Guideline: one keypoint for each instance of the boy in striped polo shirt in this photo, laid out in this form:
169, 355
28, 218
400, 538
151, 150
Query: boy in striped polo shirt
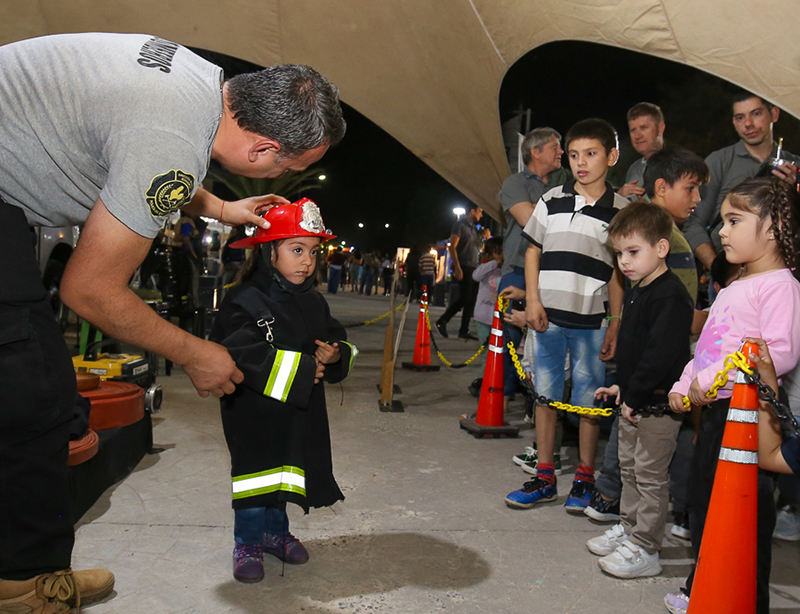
570, 277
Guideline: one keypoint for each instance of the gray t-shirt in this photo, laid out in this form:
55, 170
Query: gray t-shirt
469, 243
728, 167
128, 118
636, 172
519, 188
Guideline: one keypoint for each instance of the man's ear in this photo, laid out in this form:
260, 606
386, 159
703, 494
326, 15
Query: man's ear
661, 127
613, 156
775, 114
262, 147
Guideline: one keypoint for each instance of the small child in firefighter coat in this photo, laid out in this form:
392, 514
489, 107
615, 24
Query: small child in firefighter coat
279, 331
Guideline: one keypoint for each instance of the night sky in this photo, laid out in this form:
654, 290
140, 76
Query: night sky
375, 180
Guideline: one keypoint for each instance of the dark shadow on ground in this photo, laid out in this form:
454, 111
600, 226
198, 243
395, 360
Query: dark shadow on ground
354, 571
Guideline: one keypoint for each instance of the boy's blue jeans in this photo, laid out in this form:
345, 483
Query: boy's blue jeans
250, 524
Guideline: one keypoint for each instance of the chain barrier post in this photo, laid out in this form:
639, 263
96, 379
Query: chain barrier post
422, 344
489, 418
725, 581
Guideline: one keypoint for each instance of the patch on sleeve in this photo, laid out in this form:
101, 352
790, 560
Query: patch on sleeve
169, 192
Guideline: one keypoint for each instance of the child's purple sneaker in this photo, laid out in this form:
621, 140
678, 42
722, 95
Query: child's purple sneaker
287, 548
248, 563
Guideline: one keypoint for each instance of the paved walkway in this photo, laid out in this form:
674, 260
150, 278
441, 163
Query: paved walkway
423, 528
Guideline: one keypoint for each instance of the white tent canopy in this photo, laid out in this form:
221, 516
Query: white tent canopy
429, 71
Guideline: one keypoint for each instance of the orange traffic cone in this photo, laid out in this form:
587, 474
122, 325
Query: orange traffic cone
489, 419
726, 581
422, 345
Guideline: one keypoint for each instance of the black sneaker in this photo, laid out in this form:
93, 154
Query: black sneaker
681, 527
467, 336
601, 509
475, 387
442, 328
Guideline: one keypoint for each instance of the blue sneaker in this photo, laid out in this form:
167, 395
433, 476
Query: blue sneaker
579, 497
531, 493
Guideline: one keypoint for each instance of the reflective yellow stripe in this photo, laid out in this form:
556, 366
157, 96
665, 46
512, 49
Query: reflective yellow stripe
286, 478
282, 375
353, 354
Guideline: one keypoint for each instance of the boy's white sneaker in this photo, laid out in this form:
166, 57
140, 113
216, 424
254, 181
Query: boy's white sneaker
630, 561
609, 541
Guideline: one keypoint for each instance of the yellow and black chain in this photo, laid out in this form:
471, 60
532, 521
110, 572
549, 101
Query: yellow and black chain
444, 360
373, 320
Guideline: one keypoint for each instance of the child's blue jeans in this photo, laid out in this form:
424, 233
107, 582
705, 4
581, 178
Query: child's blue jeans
250, 524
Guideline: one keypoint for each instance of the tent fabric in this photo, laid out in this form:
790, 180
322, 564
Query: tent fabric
429, 73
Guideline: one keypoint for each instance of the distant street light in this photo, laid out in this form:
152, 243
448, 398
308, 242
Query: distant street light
360, 225
386, 226
323, 177
459, 211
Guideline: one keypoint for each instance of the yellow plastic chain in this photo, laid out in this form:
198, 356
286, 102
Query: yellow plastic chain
446, 362
732, 361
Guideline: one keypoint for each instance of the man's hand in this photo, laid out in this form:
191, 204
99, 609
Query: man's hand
627, 413
212, 370
536, 317
786, 171
327, 354
513, 293
458, 274
631, 189
250, 210
609, 349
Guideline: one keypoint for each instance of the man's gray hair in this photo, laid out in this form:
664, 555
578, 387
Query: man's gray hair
538, 138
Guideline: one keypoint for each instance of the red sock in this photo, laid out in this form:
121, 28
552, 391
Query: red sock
585, 474
546, 471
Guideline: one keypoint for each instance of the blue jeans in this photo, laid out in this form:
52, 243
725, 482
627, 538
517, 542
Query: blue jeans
515, 277
250, 524
334, 278
588, 371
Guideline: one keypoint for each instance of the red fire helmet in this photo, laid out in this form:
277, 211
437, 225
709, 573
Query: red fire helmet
299, 219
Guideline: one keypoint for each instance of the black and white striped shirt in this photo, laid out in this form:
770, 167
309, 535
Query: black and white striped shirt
577, 258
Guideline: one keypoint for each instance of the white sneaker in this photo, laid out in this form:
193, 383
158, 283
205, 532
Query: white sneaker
608, 542
787, 528
630, 561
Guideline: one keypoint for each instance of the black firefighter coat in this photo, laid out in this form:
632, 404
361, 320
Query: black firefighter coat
276, 422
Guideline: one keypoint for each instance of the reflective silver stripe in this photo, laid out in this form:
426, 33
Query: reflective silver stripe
497, 331
496, 313
748, 416
497, 349
281, 376
740, 377
743, 457
291, 479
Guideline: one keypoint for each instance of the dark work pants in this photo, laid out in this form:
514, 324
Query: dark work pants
467, 294
37, 393
701, 482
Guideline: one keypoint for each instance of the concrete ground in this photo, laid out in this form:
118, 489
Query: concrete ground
423, 529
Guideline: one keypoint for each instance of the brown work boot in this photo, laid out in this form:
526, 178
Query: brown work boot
45, 594
55, 593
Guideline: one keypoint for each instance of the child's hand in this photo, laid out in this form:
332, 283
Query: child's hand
676, 403
513, 293
697, 395
516, 318
627, 412
763, 362
611, 391
327, 354
320, 372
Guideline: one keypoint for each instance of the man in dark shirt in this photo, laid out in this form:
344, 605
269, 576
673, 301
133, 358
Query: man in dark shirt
465, 245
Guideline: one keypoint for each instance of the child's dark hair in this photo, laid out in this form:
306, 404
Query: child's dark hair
671, 164
493, 246
722, 270
774, 199
593, 128
650, 221
259, 252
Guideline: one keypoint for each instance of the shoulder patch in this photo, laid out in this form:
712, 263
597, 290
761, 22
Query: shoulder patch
168, 192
